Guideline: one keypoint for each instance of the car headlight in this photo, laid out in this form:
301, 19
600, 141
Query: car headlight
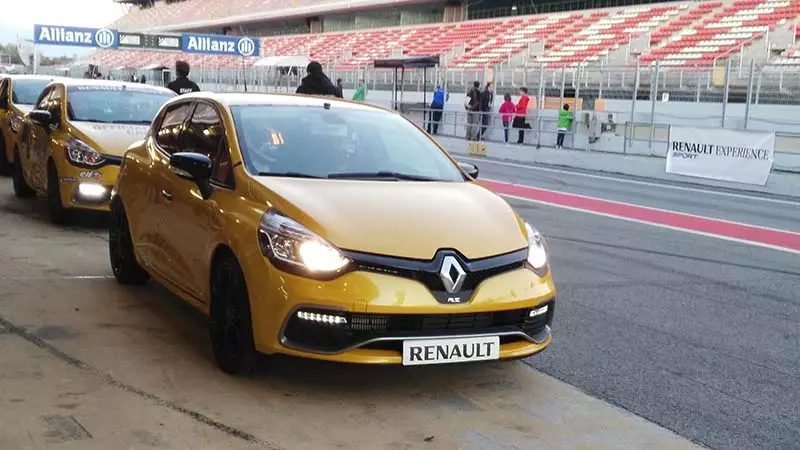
294, 248
537, 250
15, 123
81, 154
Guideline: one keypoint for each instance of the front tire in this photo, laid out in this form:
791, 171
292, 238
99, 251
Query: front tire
231, 326
21, 187
120, 248
58, 214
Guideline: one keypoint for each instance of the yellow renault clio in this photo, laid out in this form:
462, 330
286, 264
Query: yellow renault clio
71, 144
326, 229
18, 93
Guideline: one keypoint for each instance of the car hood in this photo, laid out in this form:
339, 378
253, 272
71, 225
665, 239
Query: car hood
110, 138
404, 219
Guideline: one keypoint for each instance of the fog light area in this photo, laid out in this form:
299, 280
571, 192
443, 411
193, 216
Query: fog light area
91, 191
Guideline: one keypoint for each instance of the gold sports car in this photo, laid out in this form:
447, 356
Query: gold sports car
326, 229
71, 144
18, 93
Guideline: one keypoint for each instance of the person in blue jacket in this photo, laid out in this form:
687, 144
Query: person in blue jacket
437, 105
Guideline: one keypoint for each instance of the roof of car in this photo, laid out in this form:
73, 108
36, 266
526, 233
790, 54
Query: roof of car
241, 99
21, 76
85, 82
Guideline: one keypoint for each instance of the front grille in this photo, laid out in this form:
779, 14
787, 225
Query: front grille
363, 327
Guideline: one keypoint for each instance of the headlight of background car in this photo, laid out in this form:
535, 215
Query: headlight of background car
81, 154
537, 250
294, 248
15, 123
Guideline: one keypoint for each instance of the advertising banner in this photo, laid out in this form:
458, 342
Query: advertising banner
219, 45
75, 36
720, 154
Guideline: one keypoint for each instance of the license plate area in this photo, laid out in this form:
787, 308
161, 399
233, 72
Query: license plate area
450, 350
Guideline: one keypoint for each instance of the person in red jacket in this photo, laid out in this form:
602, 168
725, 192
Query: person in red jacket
522, 111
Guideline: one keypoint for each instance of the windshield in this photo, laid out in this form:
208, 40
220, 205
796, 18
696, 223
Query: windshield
339, 142
26, 92
114, 104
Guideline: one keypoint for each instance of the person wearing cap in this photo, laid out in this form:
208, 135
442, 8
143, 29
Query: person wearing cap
182, 84
317, 83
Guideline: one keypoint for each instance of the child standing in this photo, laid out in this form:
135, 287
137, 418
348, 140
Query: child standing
507, 110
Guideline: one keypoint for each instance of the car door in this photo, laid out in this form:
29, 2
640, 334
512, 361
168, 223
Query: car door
34, 156
5, 117
190, 221
150, 201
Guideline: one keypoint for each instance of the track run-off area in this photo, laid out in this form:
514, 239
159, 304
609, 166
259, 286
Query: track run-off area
677, 326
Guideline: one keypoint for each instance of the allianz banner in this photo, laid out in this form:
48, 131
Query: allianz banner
720, 154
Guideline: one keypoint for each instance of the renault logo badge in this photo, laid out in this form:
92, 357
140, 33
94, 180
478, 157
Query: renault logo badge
452, 274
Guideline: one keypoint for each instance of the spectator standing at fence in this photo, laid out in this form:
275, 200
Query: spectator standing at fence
472, 103
437, 106
143, 79
316, 82
487, 103
521, 113
507, 110
564, 125
182, 84
361, 92
340, 88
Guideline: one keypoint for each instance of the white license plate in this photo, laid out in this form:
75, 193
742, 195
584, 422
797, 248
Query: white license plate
443, 351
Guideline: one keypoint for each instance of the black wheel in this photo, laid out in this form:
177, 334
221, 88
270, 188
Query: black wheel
21, 187
6, 167
120, 248
231, 327
58, 214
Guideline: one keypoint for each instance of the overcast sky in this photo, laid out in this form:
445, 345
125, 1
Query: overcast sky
20, 18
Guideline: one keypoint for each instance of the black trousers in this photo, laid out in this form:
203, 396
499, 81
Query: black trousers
560, 138
519, 123
434, 117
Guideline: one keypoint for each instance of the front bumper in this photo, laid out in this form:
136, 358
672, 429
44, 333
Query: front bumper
87, 188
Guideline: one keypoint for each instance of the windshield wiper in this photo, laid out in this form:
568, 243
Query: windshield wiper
383, 174
131, 122
287, 174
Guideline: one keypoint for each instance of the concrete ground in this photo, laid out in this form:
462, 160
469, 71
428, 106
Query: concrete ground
89, 364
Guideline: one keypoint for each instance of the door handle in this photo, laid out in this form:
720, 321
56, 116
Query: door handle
167, 196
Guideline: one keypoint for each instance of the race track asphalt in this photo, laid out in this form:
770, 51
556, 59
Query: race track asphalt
697, 334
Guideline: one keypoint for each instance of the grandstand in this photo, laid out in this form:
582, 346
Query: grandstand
679, 33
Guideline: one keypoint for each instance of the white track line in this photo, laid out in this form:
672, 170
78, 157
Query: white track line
659, 225
637, 182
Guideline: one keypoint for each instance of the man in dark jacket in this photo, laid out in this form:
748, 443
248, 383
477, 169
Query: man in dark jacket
182, 84
317, 83
487, 102
473, 106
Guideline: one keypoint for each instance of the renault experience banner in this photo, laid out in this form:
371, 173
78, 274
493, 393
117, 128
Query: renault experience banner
720, 154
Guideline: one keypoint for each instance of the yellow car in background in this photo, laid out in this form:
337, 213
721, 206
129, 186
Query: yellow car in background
327, 229
71, 144
18, 93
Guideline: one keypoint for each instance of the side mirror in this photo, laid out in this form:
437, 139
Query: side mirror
41, 117
471, 169
195, 167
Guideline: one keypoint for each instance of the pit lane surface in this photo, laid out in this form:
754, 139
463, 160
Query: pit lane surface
697, 334
89, 364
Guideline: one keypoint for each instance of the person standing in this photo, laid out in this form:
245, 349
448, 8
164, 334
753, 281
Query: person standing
564, 125
521, 112
437, 106
340, 88
487, 103
472, 103
182, 84
507, 110
316, 82
361, 92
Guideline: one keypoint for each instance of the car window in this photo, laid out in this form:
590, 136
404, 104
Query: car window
321, 142
172, 126
3, 94
115, 104
25, 92
205, 134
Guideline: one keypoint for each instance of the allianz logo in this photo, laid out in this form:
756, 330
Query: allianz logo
103, 37
244, 46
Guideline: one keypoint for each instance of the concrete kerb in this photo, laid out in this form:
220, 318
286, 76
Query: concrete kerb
780, 184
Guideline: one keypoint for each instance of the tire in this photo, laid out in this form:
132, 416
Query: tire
58, 214
230, 324
120, 249
21, 187
6, 166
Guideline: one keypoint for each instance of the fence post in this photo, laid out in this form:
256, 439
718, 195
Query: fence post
726, 91
576, 111
653, 95
539, 105
749, 92
632, 121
